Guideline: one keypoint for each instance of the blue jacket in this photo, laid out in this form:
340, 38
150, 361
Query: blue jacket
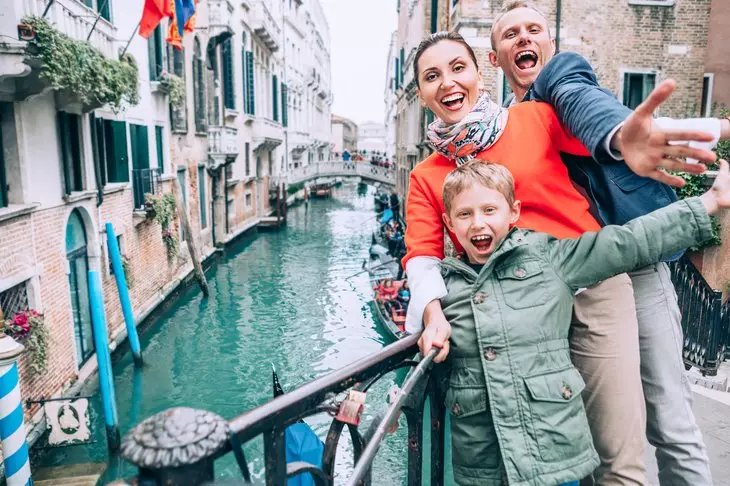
590, 112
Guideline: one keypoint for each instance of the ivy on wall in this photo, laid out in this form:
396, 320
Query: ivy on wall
79, 68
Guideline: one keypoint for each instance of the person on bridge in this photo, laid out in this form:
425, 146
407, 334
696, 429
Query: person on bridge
513, 393
528, 138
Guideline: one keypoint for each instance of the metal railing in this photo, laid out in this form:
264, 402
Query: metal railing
705, 319
271, 420
144, 181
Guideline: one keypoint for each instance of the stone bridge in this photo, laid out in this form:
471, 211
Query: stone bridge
363, 169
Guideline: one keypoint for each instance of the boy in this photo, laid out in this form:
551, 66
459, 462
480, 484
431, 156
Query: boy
513, 393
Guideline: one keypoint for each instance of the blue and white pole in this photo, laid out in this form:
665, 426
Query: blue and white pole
12, 428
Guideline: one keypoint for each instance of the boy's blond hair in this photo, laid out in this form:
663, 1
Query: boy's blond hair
510, 5
487, 174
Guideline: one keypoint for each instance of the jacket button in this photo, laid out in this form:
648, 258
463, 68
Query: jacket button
478, 298
566, 392
520, 273
456, 409
490, 354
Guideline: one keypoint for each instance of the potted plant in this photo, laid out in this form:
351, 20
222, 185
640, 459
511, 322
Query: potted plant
27, 327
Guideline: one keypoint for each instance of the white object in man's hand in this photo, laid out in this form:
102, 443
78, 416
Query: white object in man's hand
647, 148
718, 197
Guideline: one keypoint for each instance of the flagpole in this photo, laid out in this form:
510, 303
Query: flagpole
130, 39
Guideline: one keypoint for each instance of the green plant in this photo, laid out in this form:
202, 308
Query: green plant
294, 188
174, 86
696, 185
80, 69
723, 147
164, 208
127, 267
28, 328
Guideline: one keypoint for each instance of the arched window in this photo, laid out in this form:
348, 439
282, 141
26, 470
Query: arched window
201, 119
78, 264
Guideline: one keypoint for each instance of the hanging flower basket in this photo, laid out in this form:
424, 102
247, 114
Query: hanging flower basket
28, 328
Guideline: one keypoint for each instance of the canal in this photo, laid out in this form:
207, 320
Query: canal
286, 298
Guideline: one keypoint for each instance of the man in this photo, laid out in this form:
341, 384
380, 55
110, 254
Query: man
522, 47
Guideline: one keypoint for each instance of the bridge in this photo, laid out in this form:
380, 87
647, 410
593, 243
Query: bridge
339, 168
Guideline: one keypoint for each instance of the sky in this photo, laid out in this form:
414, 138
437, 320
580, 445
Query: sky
360, 33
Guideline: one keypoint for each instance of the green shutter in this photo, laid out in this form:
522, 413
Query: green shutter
160, 151
397, 73
250, 83
202, 198
229, 98
154, 46
275, 97
284, 105
244, 78
120, 157
63, 138
402, 64
140, 147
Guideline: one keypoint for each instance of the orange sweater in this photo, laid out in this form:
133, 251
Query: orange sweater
530, 148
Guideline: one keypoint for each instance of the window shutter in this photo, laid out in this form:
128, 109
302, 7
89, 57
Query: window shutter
63, 137
160, 151
229, 99
200, 108
284, 105
402, 64
244, 78
119, 149
397, 73
275, 96
140, 147
250, 83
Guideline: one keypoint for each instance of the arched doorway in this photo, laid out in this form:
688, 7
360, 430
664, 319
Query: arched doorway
78, 263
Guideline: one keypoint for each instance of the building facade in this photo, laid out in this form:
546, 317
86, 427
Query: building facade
344, 135
70, 165
371, 137
390, 99
632, 45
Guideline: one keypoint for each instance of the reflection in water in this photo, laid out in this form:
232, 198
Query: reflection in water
281, 297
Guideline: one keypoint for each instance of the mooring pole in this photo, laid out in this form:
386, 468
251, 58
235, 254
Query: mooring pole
116, 259
106, 379
12, 428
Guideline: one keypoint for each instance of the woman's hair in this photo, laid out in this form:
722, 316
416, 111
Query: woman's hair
434, 39
487, 174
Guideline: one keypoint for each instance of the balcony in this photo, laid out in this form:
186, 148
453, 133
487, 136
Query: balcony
73, 18
222, 144
299, 141
265, 26
268, 134
220, 14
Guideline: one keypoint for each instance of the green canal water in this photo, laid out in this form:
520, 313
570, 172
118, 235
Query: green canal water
277, 297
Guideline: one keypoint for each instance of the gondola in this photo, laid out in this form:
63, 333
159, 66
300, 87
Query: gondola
322, 190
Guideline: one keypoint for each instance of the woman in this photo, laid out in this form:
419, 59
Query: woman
528, 140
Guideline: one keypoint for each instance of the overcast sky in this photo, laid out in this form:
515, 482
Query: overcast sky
360, 35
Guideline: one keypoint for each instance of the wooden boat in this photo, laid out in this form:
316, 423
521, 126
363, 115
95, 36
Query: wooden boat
383, 266
322, 190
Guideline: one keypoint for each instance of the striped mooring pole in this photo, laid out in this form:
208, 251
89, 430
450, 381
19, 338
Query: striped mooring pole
12, 428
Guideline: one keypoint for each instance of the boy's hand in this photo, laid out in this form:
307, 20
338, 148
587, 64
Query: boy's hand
436, 332
718, 197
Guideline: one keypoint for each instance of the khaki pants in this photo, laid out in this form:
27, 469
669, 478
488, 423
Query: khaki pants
605, 349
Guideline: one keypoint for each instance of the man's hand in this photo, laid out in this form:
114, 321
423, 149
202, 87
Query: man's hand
718, 197
436, 332
645, 147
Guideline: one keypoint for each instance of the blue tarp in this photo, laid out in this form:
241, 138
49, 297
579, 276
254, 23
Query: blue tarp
302, 444
387, 216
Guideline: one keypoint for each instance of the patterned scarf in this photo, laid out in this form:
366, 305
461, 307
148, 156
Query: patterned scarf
479, 130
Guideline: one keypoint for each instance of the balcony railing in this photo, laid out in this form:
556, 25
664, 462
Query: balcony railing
222, 140
220, 13
219, 438
73, 18
340, 168
144, 181
705, 319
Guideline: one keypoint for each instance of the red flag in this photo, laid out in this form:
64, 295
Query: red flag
154, 11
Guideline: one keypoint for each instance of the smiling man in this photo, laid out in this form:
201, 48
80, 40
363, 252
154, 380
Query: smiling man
524, 49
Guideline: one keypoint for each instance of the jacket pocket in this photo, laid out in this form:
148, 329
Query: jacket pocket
522, 284
558, 418
473, 438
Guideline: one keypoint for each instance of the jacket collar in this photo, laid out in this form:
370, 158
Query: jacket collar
514, 239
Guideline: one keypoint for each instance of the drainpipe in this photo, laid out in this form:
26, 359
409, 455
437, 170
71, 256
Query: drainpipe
557, 26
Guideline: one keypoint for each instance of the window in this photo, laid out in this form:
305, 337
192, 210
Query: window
706, 108
69, 130
141, 174
178, 113
248, 200
110, 138
248, 159
201, 119
637, 87
202, 198
397, 71
101, 6
229, 97
250, 93
14, 299
244, 75
275, 97
78, 265
154, 45
159, 144
3, 177
402, 66
284, 107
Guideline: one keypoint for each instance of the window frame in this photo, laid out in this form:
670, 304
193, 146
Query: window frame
70, 135
623, 73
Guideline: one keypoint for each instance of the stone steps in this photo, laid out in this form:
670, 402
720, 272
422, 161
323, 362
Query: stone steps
73, 475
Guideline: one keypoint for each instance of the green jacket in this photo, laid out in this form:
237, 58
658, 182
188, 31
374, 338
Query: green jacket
513, 393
